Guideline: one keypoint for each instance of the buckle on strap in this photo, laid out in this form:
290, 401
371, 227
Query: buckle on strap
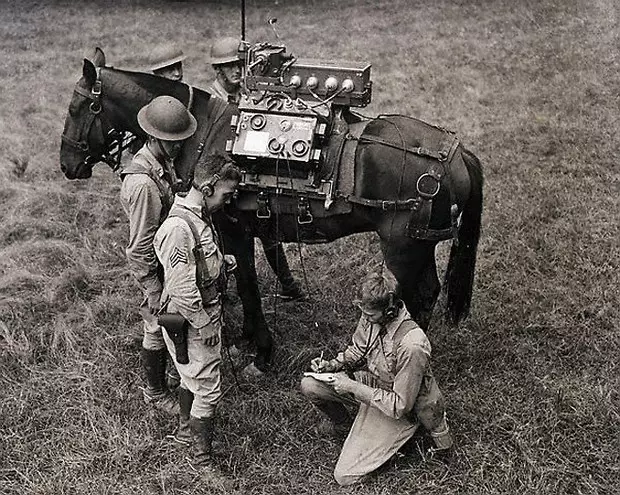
304, 216
263, 211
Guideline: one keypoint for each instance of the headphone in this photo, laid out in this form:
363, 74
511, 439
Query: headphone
394, 305
208, 188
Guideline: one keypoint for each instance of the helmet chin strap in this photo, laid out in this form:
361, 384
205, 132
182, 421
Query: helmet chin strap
169, 166
163, 150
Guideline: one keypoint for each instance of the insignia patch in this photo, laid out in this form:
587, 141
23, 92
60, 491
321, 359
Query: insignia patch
177, 257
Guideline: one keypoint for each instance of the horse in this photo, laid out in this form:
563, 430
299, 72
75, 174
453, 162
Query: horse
392, 181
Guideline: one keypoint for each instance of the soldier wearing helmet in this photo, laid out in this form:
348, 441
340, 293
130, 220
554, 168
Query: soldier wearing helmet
228, 66
167, 61
146, 197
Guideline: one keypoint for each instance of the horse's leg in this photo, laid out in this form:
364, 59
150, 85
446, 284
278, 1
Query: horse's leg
413, 264
255, 328
276, 257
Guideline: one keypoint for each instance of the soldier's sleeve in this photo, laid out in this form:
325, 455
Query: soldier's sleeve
356, 349
174, 243
412, 358
143, 209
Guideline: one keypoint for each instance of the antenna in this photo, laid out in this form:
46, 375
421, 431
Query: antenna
242, 20
272, 22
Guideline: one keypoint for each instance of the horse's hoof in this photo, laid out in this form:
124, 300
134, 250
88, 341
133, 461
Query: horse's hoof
251, 371
291, 293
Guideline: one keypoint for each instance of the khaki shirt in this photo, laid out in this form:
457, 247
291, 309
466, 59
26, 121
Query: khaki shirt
398, 356
174, 244
216, 88
146, 197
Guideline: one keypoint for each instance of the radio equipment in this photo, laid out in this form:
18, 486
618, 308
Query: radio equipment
287, 111
270, 68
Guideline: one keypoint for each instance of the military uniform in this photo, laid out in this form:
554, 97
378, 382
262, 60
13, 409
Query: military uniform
146, 197
216, 88
194, 294
395, 395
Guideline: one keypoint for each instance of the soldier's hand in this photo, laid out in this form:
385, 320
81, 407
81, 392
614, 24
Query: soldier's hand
210, 336
320, 365
342, 384
153, 302
231, 263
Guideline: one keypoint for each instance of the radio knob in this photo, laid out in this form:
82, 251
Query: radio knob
331, 83
296, 81
312, 82
348, 85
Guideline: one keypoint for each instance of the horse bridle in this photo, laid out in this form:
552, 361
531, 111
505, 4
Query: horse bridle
114, 141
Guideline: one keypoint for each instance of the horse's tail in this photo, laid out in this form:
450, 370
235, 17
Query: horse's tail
462, 263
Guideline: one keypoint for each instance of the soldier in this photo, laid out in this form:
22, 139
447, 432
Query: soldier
228, 67
396, 393
194, 268
167, 61
146, 196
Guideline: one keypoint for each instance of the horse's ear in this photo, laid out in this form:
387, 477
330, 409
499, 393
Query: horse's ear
89, 72
99, 58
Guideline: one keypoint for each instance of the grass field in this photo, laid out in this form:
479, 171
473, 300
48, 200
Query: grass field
532, 377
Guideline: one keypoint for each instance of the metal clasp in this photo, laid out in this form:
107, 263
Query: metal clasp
263, 211
304, 216
424, 194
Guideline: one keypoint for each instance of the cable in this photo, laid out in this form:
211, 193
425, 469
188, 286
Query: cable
301, 258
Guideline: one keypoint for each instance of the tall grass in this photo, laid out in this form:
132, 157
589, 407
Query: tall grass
531, 377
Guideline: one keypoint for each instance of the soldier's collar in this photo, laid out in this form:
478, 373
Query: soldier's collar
189, 204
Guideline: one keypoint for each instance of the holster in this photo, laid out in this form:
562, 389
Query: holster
176, 326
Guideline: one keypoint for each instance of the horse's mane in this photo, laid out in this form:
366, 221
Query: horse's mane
136, 86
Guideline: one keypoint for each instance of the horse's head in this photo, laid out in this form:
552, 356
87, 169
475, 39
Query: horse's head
88, 135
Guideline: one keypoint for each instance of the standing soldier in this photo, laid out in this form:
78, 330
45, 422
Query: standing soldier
194, 277
228, 67
167, 61
146, 196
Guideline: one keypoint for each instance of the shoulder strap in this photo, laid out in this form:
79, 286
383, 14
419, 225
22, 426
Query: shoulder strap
184, 215
406, 326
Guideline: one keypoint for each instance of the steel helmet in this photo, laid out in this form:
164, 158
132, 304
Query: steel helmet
165, 55
225, 51
167, 118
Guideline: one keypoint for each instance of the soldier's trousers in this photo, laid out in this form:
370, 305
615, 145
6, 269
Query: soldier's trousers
201, 375
152, 335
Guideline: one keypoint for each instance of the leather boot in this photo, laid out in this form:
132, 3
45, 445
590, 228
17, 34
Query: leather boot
202, 441
156, 393
183, 434
338, 419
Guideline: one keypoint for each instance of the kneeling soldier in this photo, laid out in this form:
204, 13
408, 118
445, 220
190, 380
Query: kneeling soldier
194, 275
395, 394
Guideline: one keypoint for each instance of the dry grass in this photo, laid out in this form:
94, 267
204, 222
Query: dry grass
532, 377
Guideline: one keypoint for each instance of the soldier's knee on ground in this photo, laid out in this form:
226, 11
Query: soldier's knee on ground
311, 388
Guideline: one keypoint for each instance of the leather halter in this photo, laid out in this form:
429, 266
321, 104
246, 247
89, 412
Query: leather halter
114, 142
